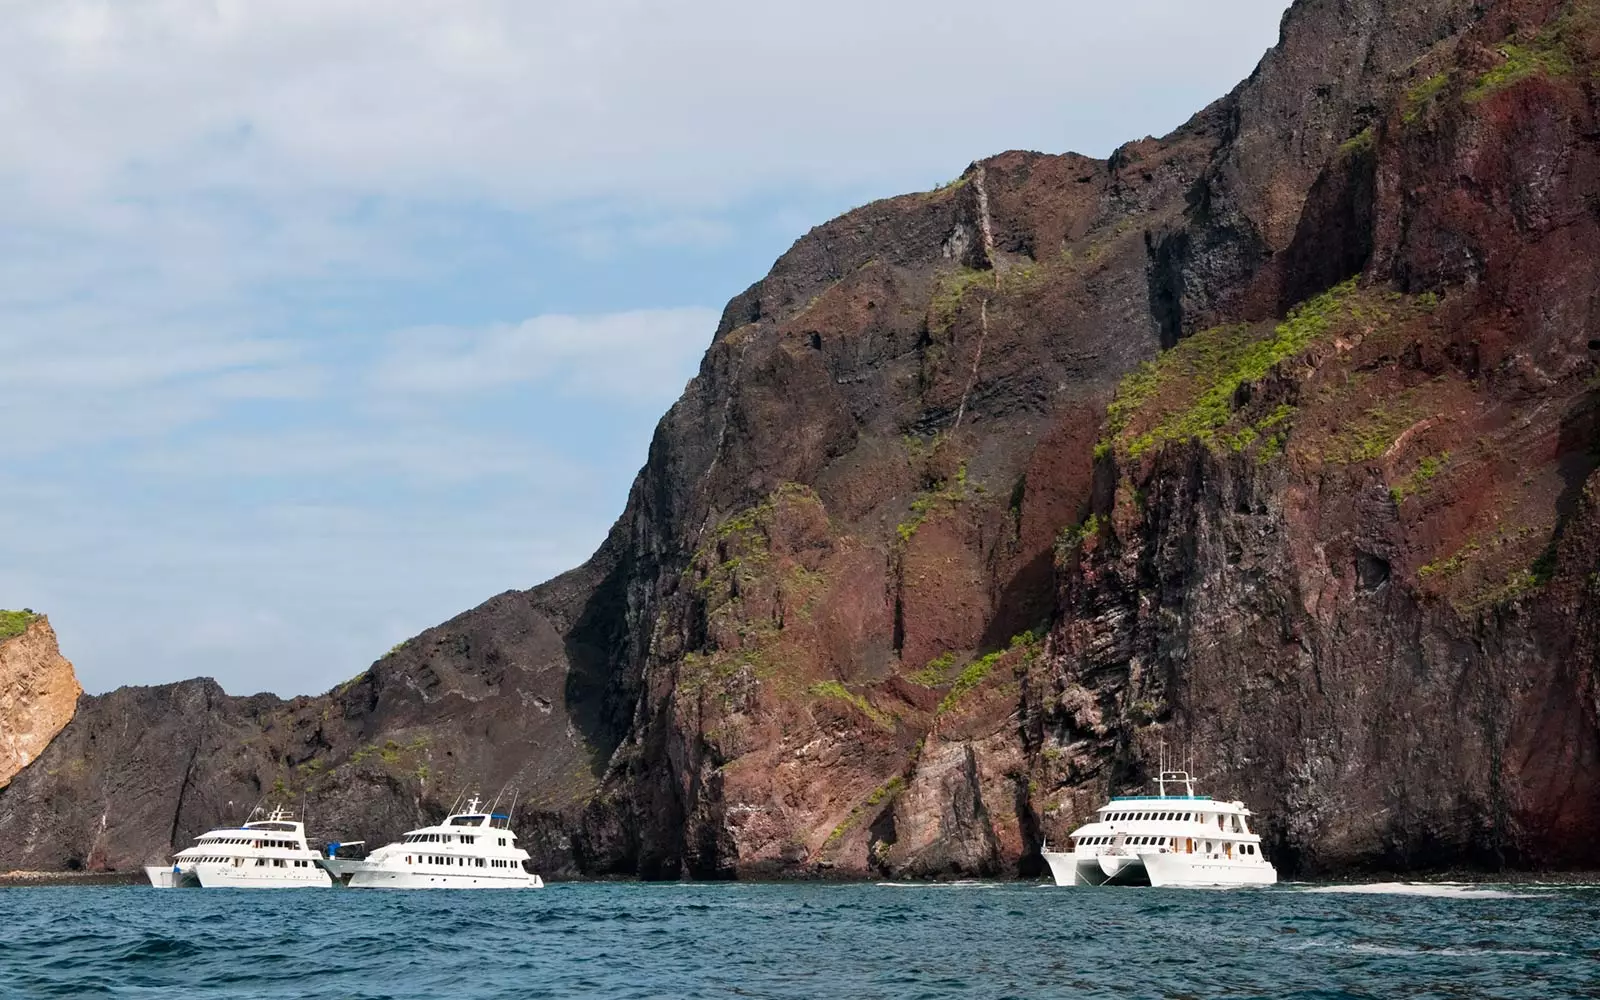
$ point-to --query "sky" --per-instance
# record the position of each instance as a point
(323, 321)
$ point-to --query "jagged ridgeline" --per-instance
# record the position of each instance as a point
(1273, 439)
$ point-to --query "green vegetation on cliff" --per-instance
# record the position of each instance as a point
(1422, 94)
(838, 692)
(1190, 391)
(1544, 57)
(1418, 480)
(1553, 52)
(16, 622)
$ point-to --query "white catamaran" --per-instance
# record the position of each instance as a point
(1165, 840)
(263, 854)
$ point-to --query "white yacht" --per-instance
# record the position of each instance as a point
(265, 854)
(474, 849)
(1165, 840)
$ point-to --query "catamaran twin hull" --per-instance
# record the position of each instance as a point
(1158, 870)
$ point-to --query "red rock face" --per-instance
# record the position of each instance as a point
(38, 694)
(924, 564)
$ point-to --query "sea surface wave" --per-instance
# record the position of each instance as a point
(894, 940)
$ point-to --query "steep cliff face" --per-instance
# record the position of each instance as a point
(984, 492)
(38, 690)
(1354, 554)
(844, 676)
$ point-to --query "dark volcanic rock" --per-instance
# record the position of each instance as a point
(900, 589)
(481, 702)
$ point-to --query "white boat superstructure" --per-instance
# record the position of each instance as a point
(473, 849)
(265, 854)
(1165, 840)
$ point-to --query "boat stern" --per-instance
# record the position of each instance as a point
(170, 877)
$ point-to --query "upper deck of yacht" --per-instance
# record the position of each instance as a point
(466, 828)
(280, 821)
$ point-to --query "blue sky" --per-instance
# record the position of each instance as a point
(324, 320)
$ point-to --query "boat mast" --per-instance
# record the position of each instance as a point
(1161, 780)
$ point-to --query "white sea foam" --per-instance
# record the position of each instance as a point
(964, 884)
(1435, 890)
(1382, 949)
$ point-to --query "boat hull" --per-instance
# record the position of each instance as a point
(168, 877)
(1203, 871)
(1158, 870)
(225, 876)
(378, 877)
(1073, 869)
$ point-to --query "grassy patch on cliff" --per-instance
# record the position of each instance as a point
(1421, 94)
(1494, 569)
(1521, 62)
(838, 692)
(936, 673)
(949, 292)
(13, 623)
(1417, 482)
(389, 752)
(740, 550)
(748, 593)
(1190, 392)
(928, 501)
(1233, 389)
(978, 671)
(1369, 435)
(884, 793)
(1361, 142)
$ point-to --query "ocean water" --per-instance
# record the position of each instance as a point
(788, 941)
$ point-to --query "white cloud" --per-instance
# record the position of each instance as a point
(540, 102)
(631, 358)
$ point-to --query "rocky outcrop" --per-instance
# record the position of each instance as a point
(481, 702)
(1272, 440)
(38, 690)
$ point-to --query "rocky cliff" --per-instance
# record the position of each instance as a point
(1273, 440)
(38, 690)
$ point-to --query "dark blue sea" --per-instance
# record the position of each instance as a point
(787, 941)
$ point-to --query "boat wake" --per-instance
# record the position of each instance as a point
(1433, 890)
